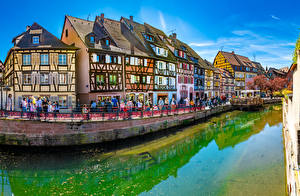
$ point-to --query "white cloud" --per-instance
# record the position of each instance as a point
(162, 21)
(202, 44)
(275, 17)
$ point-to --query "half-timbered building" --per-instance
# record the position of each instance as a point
(209, 80)
(41, 65)
(226, 83)
(108, 63)
(164, 69)
(240, 67)
(185, 67)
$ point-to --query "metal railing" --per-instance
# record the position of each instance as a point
(105, 113)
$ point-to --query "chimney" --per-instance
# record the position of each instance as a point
(102, 16)
(131, 18)
(232, 52)
(174, 35)
(27, 28)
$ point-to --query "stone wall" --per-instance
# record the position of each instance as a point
(36, 133)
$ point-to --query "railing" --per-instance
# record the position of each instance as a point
(104, 114)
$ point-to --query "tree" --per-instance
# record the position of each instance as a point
(278, 84)
(259, 82)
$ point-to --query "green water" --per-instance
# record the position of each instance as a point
(237, 153)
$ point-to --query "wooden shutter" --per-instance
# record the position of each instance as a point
(51, 59)
(33, 75)
(19, 58)
(20, 77)
(70, 77)
(38, 59)
(55, 59)
(69, 59)
(38, 78)
(50, 78)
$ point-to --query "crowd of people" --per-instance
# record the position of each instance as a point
(41, 104)
(116, 105)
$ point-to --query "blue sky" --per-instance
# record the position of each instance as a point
(266, 30)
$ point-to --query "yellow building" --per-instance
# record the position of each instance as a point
(240, 67)
(41, 65)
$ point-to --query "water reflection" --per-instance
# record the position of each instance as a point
(138, 168)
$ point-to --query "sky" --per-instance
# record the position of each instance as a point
(264, 31)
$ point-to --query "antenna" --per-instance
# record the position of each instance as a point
(88, 18)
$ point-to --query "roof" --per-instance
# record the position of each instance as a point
(225, 73)
(209, 65)
(138, 30)
(277, 71)
(46, 39)
(238, 60)
(104, 28)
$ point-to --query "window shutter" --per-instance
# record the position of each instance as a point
(55, 77)
(33, 59)
(132, 79)
(33, 75)
(156, 79)
(136, 61)
(148, 79)
(51, 58)
(38, 59)
(55, 58)
(119, 60)
(38, 78)
(107, 58)
(69, 60)
(145, 62)
(70, 77)
(20, 78)
(50, 78)
(19, 57)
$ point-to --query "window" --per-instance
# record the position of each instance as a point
(44, 59)
(144, 79)
(35, 39)
(107, 42)
(100, 80)
(62, 59)
(160, 80)
(44, 78)
(62, 101)
(63, 78)
(67, 33)
(127, 61)
(113, 79)
(148, 37)
(176, 52)
(26, 59)
(27, 78)
(92, 39)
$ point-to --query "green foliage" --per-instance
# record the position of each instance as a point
(297, 47)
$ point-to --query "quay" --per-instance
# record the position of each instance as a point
(61, 130)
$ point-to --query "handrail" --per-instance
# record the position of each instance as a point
(106, 114)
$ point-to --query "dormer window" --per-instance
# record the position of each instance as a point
(92, 39)
(36, 39)
(107, 42)
(183, 48)
(149, 37)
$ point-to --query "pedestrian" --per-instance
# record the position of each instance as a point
(39, 106)
(161, 103)
(9, 103)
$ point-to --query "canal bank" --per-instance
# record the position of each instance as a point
(25, 132)
(38, 133)
(235, 153)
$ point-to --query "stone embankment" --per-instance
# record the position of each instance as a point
(39, 133)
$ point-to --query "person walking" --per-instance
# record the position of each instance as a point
(9, 103)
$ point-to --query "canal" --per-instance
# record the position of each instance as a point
(236, 153)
